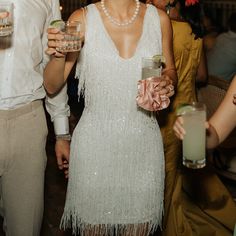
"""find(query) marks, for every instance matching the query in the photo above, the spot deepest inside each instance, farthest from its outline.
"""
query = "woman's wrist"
(212, 138)
(58, 58)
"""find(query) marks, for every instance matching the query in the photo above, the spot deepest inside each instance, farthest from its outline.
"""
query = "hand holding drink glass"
(69, 39)
(6, 19)
(191, 129)
(153, 88)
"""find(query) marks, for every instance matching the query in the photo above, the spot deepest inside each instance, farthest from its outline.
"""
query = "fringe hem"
(82, 228)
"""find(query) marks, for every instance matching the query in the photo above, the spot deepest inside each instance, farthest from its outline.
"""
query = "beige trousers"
(23, 134)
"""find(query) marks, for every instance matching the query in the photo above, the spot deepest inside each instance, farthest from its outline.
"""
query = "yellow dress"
(196, 202)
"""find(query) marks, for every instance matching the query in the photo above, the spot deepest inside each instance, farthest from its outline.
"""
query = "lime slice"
(159, 58)
(59, 24)
(183, 109)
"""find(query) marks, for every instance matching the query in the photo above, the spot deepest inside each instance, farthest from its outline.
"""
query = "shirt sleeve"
(59, 111)
(56, 106)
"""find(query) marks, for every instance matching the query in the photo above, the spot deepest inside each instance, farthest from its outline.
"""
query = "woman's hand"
(54, 35)
(165, 87)
(4, 14)
(180, 131)
(178, 128)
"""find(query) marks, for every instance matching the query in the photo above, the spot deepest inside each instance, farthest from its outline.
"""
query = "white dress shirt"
(22, 60)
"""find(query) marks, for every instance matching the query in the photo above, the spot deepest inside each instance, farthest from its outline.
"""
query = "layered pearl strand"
(116, 22)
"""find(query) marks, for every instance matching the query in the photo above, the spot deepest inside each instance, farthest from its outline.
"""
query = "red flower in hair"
(191, 2)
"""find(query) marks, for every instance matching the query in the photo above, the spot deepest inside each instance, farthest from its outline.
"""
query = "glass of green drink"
(194, 142)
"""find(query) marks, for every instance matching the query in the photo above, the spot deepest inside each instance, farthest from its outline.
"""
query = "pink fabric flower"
(148, 97)
(191, 2)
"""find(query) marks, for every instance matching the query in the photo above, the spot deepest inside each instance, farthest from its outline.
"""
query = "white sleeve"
(59, 111)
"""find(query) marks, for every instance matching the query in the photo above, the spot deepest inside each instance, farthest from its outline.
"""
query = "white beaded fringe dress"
(116, 170)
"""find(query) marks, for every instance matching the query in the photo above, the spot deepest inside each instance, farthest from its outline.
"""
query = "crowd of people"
(123, 163)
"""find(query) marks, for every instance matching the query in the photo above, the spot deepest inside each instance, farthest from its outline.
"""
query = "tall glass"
(194, 142)
(6, 19)
(71, 41)
(151, 67)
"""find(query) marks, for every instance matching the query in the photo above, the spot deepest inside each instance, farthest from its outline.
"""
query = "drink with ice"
(6, 19)
(6, 29)
(148, 72)
(71, 41)
(194, 142)
(151, 67)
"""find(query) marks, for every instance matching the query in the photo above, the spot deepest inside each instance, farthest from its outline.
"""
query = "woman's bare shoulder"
(163, 15)
(78, 14)
(233, 83)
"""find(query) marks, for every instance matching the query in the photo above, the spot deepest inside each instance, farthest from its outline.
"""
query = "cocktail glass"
(6, 19)
(151, 67)
(71, 41)
(194, 142)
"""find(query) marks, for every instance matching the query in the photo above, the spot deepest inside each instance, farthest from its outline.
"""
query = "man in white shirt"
(23, 127)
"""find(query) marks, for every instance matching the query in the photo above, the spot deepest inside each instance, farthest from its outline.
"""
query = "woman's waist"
(118, 118)
(122, 131)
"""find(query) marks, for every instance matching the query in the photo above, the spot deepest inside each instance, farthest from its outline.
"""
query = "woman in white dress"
(116, 166)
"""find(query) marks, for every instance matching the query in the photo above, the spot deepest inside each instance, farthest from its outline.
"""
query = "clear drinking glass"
(194, 142)
(151, 67)
(6, 18)
(71, 41)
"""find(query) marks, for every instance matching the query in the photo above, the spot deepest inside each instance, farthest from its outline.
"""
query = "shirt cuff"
(61, 125)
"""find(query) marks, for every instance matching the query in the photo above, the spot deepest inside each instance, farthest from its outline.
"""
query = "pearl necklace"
(117, 23)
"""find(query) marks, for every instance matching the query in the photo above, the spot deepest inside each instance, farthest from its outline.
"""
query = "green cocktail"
(194, 142)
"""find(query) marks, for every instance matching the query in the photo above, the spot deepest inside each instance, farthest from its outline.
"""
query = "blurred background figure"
(211, 31)
(221, 58)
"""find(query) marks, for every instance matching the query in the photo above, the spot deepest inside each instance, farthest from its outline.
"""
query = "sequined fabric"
(116, 173)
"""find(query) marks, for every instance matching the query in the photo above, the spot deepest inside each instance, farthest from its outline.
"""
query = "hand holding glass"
(71, 41)
(194, 142)
(6, 19)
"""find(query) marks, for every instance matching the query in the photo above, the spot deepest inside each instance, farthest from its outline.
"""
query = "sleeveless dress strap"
(84, 9)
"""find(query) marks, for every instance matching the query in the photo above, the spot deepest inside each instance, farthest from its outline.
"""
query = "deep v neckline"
(112, 43)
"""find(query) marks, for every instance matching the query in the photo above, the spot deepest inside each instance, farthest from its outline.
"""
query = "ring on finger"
(170, 88)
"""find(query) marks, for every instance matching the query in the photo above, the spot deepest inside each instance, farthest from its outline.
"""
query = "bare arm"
(202, 68)
(167, 46)
(60, 65)
(223, 120)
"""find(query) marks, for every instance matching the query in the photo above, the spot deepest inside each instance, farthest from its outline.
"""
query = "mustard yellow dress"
(196, 202)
